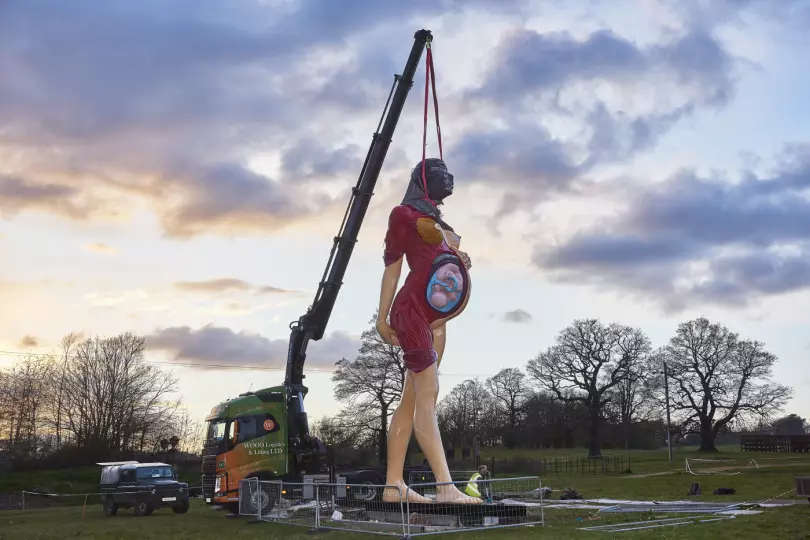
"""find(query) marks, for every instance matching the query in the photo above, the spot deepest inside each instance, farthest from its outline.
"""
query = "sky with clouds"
(179, 169)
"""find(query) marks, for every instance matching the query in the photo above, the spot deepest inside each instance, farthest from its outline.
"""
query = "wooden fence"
(559, 465)
(764, 442)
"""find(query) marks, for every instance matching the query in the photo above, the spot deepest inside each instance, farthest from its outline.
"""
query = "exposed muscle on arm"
(388, 288)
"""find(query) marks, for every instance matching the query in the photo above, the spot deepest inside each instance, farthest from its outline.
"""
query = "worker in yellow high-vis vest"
(472, 485)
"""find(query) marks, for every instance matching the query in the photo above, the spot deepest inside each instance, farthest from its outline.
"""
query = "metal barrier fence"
(250, 502)
(385, 510)
(346, 507)
(362, 508)
(513, 506)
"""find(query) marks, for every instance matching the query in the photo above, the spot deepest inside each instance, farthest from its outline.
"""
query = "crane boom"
(312, 325)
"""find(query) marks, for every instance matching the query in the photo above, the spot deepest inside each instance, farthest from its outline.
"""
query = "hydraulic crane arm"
(312, 325)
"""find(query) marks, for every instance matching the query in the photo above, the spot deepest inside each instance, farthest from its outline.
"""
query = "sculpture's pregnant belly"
(448, 288)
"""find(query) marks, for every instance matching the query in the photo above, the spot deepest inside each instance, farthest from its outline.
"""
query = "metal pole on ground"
(318, 507)
(666, 396)
(261, 498)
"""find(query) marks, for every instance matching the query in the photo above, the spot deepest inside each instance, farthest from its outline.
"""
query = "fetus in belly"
(446, 287)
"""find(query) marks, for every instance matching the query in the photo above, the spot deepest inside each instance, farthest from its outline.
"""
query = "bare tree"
(792, 424)
(587, 362)
(96, 398)
(5, 407)
(553, 423)
(352, 437)
(372, 383)
(66, 345)
(717, 378)
(633, 398)
(462, 414)
(25, 404)
(189, 431)
(333, 433)
(509, 388)
(113, 400)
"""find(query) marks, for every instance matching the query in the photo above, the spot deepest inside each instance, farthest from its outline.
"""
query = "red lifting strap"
(430, 77)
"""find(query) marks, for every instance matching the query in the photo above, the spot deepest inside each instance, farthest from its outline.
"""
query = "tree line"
(597, 386)
(94, 399)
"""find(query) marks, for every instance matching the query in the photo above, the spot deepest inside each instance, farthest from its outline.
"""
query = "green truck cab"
(246, 438)
(249, 437)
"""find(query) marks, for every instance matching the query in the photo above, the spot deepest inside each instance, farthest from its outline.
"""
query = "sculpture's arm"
(388, 288)
(396, 240)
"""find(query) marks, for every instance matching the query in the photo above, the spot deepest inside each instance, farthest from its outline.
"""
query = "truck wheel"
(181, 508)
(368, 492)
(110, 508)
(143, 509)
(370, 488)
(263, 500)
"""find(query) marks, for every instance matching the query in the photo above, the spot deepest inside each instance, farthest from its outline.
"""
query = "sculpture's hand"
(387, 333)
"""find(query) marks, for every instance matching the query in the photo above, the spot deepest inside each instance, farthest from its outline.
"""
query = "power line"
(226, 366)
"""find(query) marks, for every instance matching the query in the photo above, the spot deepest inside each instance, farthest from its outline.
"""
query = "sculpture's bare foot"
(391, 494)
(451, 494)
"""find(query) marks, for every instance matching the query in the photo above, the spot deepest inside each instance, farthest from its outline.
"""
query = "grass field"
(79, 480)
(652, 478)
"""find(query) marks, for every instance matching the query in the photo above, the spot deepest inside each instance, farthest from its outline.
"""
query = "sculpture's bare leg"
(399, 434)
(401, 429)
(439, 341)
(426, 429)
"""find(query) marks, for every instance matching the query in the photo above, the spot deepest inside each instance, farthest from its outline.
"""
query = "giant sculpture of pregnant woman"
(436, 290)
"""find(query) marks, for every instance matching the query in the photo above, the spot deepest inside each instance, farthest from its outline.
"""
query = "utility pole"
(666, 396)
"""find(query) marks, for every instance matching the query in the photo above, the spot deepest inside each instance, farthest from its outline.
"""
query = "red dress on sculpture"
(435, 289)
